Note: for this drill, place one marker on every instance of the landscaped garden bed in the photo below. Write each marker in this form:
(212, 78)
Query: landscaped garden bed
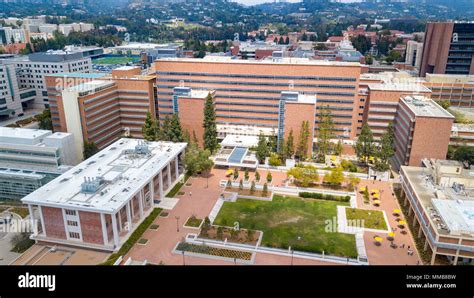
(247, 192)
(164, 214)
(214, 251)
(193, 222)
(244, 236)
(371, 219)
(291, 221)
(154, 227)
(328, 197)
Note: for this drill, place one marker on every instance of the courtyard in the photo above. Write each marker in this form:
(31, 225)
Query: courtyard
(291, 221)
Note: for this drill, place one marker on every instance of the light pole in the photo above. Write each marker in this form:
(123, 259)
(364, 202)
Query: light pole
(177, 223)
(182, 252)
(292, 250)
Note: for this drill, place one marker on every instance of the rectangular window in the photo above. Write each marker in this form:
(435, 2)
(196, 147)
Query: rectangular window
(72, 223)
(74, 235)
(70, 212)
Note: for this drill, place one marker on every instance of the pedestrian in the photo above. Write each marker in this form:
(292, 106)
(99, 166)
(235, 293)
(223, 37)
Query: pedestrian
(190, 193)
(408, 247)
(403, 245)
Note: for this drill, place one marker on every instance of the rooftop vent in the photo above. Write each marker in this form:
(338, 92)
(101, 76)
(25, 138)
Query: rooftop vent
(91, 185)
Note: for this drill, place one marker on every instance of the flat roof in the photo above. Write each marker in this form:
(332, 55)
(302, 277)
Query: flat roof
(123, 172)
(425, 107)
(458, 215)
(240, 141)
(268, 60)
(407, 86)
(90, 86)
(427, 192)
(463, 127)
(21, 133)
(78, 75)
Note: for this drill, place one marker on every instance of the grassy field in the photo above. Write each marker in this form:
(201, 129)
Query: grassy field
(285, 219)
(115, 60)
(372, 219)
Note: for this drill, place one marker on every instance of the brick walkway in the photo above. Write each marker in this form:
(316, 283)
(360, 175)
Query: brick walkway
(384, 254)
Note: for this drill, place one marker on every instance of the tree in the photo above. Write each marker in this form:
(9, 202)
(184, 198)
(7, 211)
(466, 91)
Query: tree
(338, 148)
(265, 190)
(197, 160)
(187, 137)
(171, 129)
(274, 160)
(210, 129)
(246, 174)
(90, 148)
(290, 146)
(150, 130)
(241, 184)
(325, 132)
(257, 176)
(45, 121)
(364, 146)
(353, 181)
(282, 150)
(385, 150)
(465, 154)
(335, 177)
(236, 174)
(304, 176)
(252, 187)
(302, 148)
(269, 177)
(262, 149)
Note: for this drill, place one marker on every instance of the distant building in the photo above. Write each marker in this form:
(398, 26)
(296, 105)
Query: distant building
(30, 71)
(447, 49)
(99, 203)
(30, 158)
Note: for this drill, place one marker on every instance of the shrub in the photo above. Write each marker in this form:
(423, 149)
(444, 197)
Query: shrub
(257, 176)
(320, 196)
(274, 160)
(269, 177)
(246, 174)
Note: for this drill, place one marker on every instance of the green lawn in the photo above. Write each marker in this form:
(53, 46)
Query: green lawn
(285, 218)
(115, 60)
(373, 219)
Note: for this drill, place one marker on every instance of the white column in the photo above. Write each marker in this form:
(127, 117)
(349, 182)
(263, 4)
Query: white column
(169, 175)
(115, 230)
(131, 207)
(129, 216)
(176, 166)
(40, 210)
(140, 202)
(161, 185)
(119, 220)
(152, 190)
(104, 229)
(32, 218)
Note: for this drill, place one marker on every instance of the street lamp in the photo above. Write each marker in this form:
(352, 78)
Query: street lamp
(177, 223)
(292, 250)
(182, 252)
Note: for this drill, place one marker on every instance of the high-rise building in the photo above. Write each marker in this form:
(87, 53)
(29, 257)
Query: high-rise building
(415, 136)
(414, 53)
(32, 69)
(250, 92)
(99, 108)
(448, 48)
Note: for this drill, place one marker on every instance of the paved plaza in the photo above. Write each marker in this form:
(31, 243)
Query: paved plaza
(197, 199)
